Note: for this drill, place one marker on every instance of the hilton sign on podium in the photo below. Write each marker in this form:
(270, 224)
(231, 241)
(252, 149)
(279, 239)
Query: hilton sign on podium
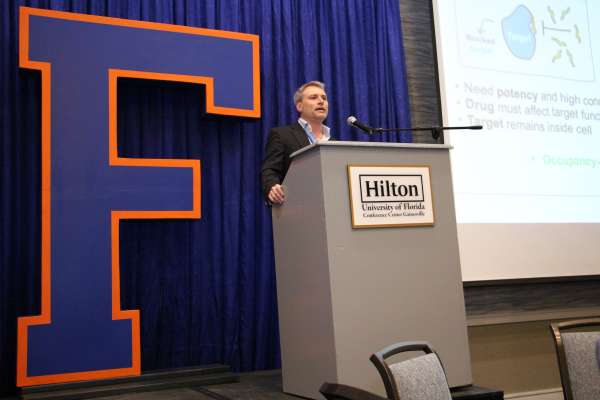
(390, 195)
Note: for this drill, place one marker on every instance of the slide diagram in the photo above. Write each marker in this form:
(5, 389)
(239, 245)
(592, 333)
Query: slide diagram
(530, 37)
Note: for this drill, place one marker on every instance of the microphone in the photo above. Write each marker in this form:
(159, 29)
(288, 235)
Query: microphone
(353, 121)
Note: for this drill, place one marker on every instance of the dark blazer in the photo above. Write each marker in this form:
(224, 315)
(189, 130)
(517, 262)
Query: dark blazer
(282, 142)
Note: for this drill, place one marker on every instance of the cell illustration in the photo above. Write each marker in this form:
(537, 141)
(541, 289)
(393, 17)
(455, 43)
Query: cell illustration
(527, 37)
(519, 33)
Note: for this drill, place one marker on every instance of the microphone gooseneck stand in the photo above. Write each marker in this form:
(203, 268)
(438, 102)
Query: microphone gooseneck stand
(436, 131)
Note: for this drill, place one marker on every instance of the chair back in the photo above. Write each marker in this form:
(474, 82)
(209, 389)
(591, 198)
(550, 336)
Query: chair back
(419, 378)
(578, 355)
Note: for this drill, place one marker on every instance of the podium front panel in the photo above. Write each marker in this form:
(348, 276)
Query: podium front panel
(356, 291)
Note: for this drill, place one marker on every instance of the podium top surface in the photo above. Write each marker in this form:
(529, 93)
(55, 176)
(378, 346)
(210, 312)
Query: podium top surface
(336, 143)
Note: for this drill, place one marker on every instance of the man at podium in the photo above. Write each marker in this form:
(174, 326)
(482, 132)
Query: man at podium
(311, 103)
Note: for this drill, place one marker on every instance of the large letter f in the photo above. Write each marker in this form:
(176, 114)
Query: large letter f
(82, 333)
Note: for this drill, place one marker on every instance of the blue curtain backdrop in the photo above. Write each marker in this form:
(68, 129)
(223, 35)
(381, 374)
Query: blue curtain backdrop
(206, 289)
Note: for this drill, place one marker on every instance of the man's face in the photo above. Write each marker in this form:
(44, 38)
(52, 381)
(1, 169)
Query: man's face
(314, 106)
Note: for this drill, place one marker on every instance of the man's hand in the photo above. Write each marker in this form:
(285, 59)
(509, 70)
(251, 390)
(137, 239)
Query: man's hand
(276, 194)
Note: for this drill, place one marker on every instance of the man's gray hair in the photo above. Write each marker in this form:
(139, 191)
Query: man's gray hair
(298, 94)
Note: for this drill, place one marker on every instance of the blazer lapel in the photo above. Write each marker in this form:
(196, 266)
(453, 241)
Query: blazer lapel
(299, 136)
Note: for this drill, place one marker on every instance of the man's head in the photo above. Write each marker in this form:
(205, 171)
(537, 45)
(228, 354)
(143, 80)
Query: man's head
(311, 101)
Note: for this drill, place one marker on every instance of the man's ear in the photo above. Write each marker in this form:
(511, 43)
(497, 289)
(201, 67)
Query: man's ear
(299, 106)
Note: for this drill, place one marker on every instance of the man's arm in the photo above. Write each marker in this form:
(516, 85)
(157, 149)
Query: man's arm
(272, 167)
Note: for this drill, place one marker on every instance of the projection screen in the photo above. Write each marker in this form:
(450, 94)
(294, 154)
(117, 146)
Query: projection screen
(527, 187)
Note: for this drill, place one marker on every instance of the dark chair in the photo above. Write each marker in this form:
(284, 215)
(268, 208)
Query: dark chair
(578, 352)
(335, 391)
(419, 378)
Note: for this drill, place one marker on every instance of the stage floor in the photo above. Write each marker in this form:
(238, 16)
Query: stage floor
(262, 385)
(266, 385)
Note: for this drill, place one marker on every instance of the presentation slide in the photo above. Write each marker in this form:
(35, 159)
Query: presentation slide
(526, 71)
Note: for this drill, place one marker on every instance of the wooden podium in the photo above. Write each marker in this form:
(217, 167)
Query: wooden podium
(346, 293)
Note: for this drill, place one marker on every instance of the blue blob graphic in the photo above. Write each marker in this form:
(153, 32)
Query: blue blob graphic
(519, 33)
